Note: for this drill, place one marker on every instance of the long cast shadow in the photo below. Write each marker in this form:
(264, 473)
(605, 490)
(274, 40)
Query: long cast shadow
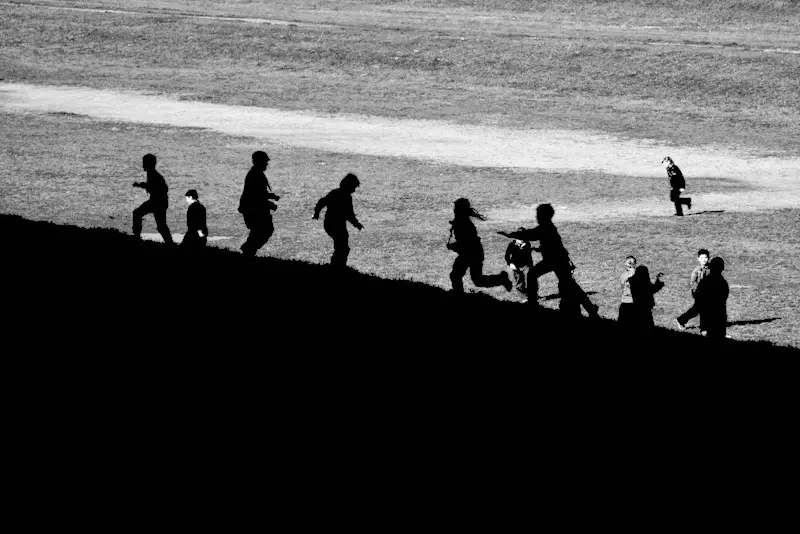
(754, 321)
(702, 212)
(554, 296)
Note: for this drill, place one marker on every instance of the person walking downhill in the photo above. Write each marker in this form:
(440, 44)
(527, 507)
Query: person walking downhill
(698, 273)
(520, 262)
(642, 291)
(196, 229)
(468, 246)
(338, 205)
(712, 298)
(555, 258)
(677, 185)
(256, 205)
(157, 204)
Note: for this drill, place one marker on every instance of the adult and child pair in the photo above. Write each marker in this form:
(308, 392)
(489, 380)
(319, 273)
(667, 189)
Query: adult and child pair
(256, 205)
(709, 289)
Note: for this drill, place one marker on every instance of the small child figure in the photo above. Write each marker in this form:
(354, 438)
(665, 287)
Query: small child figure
(712, 298)
(627, 310)
(698, 273)
(642, 291)
(339, 204)
(196, 230)
(520, 262)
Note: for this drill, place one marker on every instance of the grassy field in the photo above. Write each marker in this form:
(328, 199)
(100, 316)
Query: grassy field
(567, 65)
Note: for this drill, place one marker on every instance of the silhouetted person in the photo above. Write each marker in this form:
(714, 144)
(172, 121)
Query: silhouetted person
(470, 250)
(554, 258)
(677, 185)
(698, 273)
(627, 311)
(196, 229)
(642, 291)
(519, 260)
(256, 205)
(712, 297)
(158, 203)
(338, 205)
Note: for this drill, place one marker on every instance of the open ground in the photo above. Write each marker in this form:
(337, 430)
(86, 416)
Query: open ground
(498, 83)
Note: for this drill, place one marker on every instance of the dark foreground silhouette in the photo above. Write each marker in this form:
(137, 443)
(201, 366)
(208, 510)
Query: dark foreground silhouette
(102, 292)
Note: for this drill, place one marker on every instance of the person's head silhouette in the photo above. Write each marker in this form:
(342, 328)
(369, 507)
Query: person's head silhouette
(544, 213)
(260, 160)
(350, 183)
(716, 265)
(149, 162)
(192, 196)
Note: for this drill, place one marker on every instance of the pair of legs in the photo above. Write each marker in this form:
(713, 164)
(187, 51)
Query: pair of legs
(473, 262)
(690, 314)
(193, 243)
(675, 197)
(520, 279)
(341, 245)
(567, 286)
(261, 229)
(159, 212)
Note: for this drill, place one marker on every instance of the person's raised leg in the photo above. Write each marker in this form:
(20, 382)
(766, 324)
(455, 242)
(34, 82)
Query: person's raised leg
(138, 215)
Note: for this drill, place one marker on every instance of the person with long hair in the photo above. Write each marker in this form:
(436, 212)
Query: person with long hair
(468, 246)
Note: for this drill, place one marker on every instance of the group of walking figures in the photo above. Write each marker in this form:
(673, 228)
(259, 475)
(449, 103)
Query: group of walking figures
(257, 202)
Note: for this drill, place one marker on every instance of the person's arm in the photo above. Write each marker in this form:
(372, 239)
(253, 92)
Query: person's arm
(320, 205)
(203, 230)
(658, 284)
(694, 280)
(351, 216)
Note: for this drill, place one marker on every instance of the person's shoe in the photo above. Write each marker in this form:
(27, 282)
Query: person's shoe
(703, 332)
(679, 215)
(507, 282)
(681, 326)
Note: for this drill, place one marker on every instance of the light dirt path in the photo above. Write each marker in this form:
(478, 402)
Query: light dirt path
(776, 181)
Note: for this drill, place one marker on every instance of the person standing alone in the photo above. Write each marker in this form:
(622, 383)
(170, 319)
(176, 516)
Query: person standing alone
(678, 185)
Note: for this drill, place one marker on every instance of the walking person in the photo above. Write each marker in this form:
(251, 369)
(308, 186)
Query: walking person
(554, 258)
(158, 202)
(338, 205)
(677, 185)
(196, 229)
(256, 205)
(520, 262)
(468, 246)
(642, 291)
(712, 297)
(627, 312)
(698, 273)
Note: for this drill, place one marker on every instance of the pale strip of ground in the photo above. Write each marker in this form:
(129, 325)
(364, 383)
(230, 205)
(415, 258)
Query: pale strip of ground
(147, 236)
(775, 181)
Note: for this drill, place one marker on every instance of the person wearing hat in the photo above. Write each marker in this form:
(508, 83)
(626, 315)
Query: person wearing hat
(256, 205)
(470, 251)
(196, 230)
(520, 262)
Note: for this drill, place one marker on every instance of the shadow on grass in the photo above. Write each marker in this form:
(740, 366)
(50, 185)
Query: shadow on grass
(554, 296)
(754, 321)
(706, 212)
(102, 292)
